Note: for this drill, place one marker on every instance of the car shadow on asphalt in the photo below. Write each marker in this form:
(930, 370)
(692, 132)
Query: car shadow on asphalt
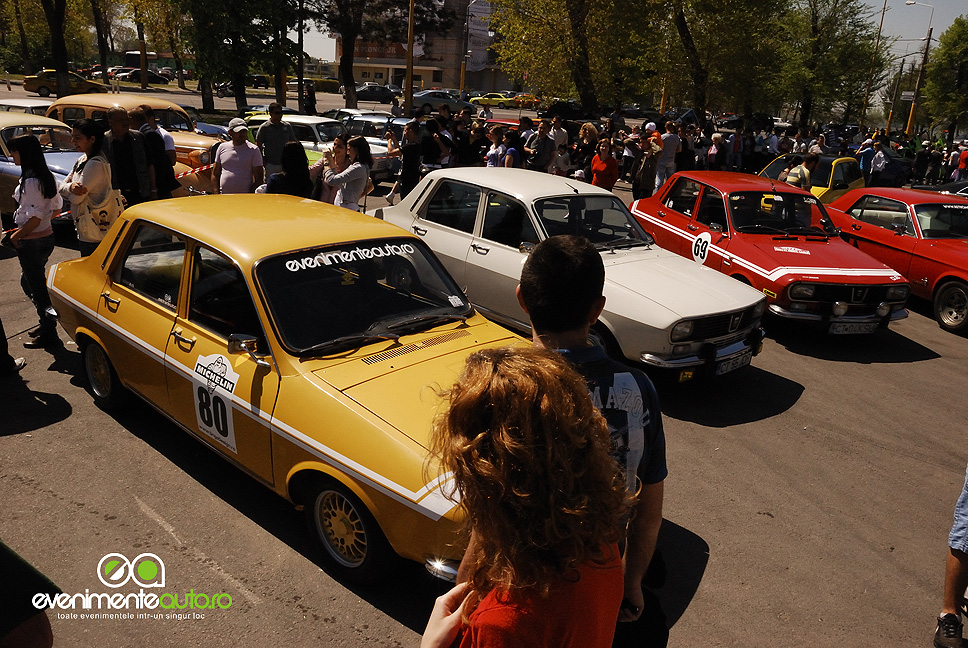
(883, 346)
(711, 402)
(27, 410)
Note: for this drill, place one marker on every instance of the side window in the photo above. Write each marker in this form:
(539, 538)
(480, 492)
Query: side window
(454, 205)
(304, 133)
(839, 178)
(174, 120)
(71, 115)
(711, 208)
(101, 117)
(506, 221)
(153, 265)
(852, 171)
(882, 212)
(220, 300)
(682, 196)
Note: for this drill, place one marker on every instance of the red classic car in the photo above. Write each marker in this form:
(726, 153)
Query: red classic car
(778, 239)
(921, 234)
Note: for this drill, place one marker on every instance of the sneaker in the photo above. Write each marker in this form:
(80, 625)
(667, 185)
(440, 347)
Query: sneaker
(948, 634)
(389, 197)
(42, 341)
(35, 332)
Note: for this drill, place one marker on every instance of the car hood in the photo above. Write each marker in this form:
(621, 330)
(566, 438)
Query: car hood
(401, 383)
(673, 283)
(61, 163)
(818, 259)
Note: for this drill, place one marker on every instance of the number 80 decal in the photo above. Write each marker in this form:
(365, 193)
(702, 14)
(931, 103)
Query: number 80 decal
(214, 382)
(700, 247)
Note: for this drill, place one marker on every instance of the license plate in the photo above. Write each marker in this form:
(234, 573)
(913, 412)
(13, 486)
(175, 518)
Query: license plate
(734, 363)
(849, 328)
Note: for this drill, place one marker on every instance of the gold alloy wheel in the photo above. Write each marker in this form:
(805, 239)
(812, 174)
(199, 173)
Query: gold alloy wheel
(341, 528)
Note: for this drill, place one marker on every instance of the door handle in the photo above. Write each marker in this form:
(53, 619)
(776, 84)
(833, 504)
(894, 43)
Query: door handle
(181, 338)
(110, 300)
(480, 249)
(692, 227)
(420, 231)
(855, 227)
(661, 213)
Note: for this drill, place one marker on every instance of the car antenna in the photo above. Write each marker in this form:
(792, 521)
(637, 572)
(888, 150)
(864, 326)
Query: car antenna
(572, 187)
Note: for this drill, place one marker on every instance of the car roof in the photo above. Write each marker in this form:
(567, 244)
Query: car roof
(248, 227)
(523, 184)
(912, 196)
(126, 101)
(730, 181)
(26, 103)
(298, 119)
(27, 119)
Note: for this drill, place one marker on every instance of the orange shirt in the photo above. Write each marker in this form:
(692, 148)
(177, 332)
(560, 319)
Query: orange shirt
(604, 172)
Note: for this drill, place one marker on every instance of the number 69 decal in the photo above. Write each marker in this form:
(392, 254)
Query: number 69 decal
(214, 382)
(700, 247)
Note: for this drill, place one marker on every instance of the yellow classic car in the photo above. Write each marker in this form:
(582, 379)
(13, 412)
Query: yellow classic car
(192, 149)
(498, 99)
(832, 179)
(305, 343)
(45, 82)
(55, 141)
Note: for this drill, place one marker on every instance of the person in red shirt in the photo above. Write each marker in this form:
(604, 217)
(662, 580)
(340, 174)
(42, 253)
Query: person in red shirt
(544, 502)
(604, 165)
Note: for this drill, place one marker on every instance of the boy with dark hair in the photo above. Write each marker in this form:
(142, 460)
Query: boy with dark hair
(561, 291)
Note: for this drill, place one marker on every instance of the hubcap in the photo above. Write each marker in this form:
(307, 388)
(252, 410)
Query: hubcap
(98, 371)
(341, 528)
(954, 308)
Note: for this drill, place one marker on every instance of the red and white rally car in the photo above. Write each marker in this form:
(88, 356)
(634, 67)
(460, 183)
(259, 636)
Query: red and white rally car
(778, 239)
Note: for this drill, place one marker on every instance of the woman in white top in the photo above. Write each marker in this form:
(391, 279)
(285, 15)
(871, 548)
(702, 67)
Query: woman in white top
(89, 180)
(352, 180)
(37, 202)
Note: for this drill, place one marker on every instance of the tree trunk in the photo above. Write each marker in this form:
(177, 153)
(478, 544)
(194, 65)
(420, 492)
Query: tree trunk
(143, 50)
(55, 10)
(581, 71)
(24, 50)
(102, 39)
(238, 85)
(208, 99)
(346, 68)
(700, 75)
(177, 59)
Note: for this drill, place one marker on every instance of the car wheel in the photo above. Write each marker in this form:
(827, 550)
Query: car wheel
(353, 544)
(43, 91)
(102, 379)
(500, 104)
(951, 306)
(427, 109)
(220, 93)
(599, 335)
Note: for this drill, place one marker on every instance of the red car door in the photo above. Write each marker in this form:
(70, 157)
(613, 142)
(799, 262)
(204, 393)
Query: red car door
(883, 228)
(672, 226)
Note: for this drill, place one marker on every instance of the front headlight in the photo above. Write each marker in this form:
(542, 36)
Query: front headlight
(682, 331)
(802, 291)
(759, 309)
(898, 292)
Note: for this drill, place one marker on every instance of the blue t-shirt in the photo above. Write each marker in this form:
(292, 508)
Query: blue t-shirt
(628, 401)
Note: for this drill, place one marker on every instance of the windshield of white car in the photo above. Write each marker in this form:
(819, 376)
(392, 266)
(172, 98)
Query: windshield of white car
(604, 220)
(328, 131)
(358, 292)
(762, 212)
(942, 221)
(53, 139)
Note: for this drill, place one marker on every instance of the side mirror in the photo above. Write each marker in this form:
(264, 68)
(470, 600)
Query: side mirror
(900, 229)
(715, 227)
(526, 247)
(840, 185)
(242, 343)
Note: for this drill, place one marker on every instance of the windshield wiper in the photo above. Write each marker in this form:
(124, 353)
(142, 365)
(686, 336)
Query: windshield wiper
(766, 229)
(423, 319)
(621, 243)
(347, 341)
(810, 231)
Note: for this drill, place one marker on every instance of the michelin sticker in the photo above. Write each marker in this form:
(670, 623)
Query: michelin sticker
(214, 383)
(700, 247)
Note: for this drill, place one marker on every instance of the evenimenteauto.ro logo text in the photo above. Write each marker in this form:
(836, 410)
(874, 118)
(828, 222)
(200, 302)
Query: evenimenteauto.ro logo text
(146, 571)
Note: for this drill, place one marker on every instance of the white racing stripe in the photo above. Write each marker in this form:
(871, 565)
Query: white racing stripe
(428, 501)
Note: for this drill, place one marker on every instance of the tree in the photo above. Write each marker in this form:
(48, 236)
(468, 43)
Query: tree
(946, 90)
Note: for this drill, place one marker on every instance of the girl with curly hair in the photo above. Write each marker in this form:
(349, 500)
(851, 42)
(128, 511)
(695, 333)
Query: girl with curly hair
(544, 502)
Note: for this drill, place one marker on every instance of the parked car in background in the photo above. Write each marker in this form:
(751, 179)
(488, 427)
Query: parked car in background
(661, 310)
(45, 82)
(495, 99)
(923, 235)
(32, 106)
(430, 101)
(526, 100)
(257, 80)
(956, 188)
(779, 239)
(203, 128)
(834, 177)
(134, 76)
(341, 114)
(302, 343)
(378, 93)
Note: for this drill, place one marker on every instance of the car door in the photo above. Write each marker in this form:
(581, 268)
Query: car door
(446, 222)
(709, 225)
(216, 389)
(497, 253)
(676, 228)
(138, 306)
(875, 230)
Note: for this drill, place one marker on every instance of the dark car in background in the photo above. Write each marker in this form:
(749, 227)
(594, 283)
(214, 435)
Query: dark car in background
(378, 93)
(134, 76)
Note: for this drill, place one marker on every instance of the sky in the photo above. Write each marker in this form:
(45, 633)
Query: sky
(908, 23)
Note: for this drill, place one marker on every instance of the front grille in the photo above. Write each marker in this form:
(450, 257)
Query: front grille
(851, 293)
(724, 328)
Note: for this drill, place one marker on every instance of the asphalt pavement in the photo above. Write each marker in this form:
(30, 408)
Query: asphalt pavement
(808, 503)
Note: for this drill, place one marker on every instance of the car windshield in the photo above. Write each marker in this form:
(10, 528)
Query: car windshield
(819, 177)
(174, 120)
(328, 131)
(604, 220)
(53, 139)
(776, 212)
(334, 298)
(942, 221)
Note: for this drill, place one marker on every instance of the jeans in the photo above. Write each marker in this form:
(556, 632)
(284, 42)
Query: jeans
(958, 538)
(33, 255)
(665, 170)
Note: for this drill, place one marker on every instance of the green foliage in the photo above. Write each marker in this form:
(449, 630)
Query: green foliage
(946, 90)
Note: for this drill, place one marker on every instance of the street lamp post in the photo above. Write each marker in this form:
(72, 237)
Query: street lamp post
(467, 46)
(870, 75)
(924, 63)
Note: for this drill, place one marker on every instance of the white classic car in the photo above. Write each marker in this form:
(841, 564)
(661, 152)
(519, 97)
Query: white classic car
(660, 310)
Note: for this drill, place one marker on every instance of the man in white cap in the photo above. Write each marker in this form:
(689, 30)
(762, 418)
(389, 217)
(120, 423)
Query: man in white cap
(865, 156)
(238, 164)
